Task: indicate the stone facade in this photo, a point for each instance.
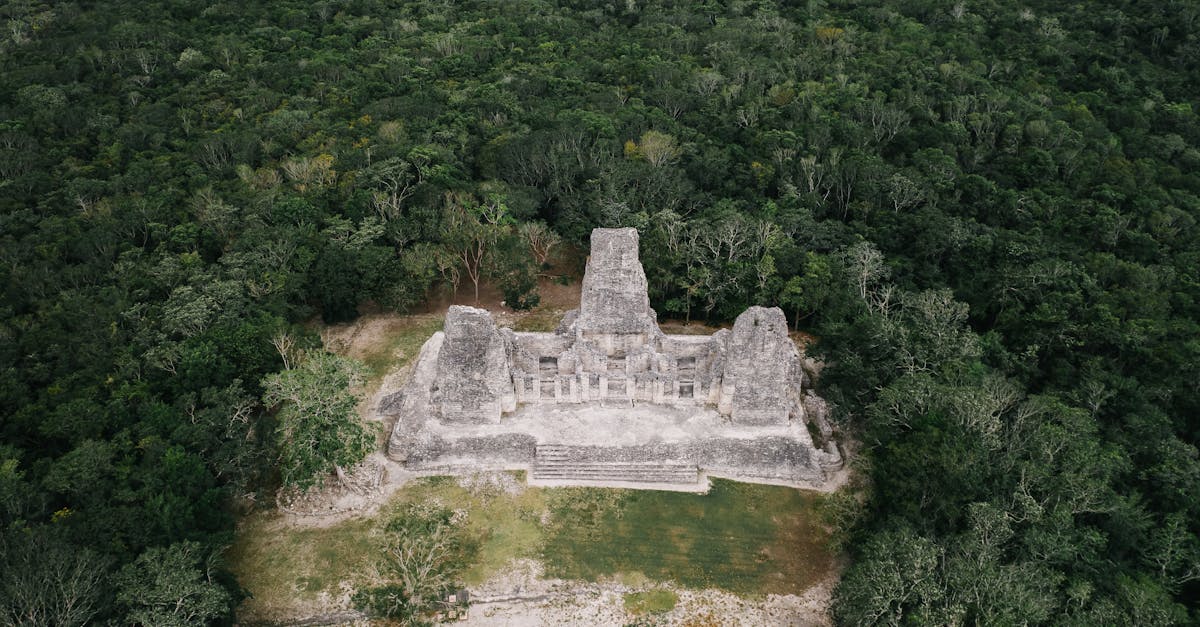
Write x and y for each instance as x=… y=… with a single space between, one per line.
x=474 y=383
x=615 y=300
x=610 y=353
x=762 y=378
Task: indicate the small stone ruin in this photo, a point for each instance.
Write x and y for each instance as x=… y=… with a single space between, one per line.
x=609 y=399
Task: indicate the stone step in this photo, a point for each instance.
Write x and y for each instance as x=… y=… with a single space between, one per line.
x=563 y=467
x=614 y=471
x=613 y=467
x=622 y=479
x=553 y=463
x=557 y=462
x=576 y=470
x=683 y=478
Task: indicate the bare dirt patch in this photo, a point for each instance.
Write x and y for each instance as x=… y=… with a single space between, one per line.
x=679 y=327
x=558 y=289
x=524 y=596
x=382 y=341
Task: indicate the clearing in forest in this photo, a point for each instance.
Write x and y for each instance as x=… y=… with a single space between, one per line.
x=747 y=539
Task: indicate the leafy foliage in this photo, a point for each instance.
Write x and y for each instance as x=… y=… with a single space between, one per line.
x=426 y=551
x=45 y=580
x=319 y=432
x=987 y=212
x=172 y=586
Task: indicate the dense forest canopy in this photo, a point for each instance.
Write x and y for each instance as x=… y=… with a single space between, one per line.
x=985 y=210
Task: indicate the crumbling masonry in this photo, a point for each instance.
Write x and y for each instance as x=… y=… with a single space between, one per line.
x=608 y=397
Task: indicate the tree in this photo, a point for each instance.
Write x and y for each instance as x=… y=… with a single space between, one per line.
x=808 y=291
x=45 y=580
x=424 y=553
x=656 y=147
x=172 y=586
x=864 y=267
x=904 y=192
x=896 y=578
x=514 y=271
x=393 y=181
x=320 y=433
x=343 y=267
x=541 y=239
x=984 y=586
x=16 y=494
x=936 y=334
x=1175 y=553
x=473 y=230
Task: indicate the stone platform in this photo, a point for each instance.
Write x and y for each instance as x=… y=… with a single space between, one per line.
x=608 y=397
x=644 y=446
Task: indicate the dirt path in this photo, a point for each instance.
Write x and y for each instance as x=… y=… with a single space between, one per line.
x=521 y=596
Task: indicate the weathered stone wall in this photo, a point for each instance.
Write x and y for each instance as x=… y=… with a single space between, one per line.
x=412 y=405
x=507 y=449
x=761 y=381
x=473 y=383
x=611 y=353
x=615 y=300
x=771 y=457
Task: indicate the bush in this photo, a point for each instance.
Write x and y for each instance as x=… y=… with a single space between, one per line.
x=520 y=290
x=651 y=601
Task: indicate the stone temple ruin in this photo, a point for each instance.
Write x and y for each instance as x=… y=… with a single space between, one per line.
x=609 y=398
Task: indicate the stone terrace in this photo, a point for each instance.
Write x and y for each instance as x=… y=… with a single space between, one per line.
x=609 y=398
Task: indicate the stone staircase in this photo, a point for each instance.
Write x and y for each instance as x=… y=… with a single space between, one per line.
x=557 y=463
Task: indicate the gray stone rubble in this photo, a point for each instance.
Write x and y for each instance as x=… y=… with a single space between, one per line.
x=609 y=395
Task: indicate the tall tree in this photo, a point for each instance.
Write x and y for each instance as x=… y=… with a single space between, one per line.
x=320 y=433
x=173 y=587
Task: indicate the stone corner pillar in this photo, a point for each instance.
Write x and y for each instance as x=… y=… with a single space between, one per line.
x=474 y=381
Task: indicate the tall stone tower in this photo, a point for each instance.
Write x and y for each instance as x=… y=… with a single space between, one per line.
x=614 y=310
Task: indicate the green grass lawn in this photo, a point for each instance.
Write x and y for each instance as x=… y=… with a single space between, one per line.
x=289 y=571
x=288 y=568
x=744 y=538
x=651 y=601
x=401 y=343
